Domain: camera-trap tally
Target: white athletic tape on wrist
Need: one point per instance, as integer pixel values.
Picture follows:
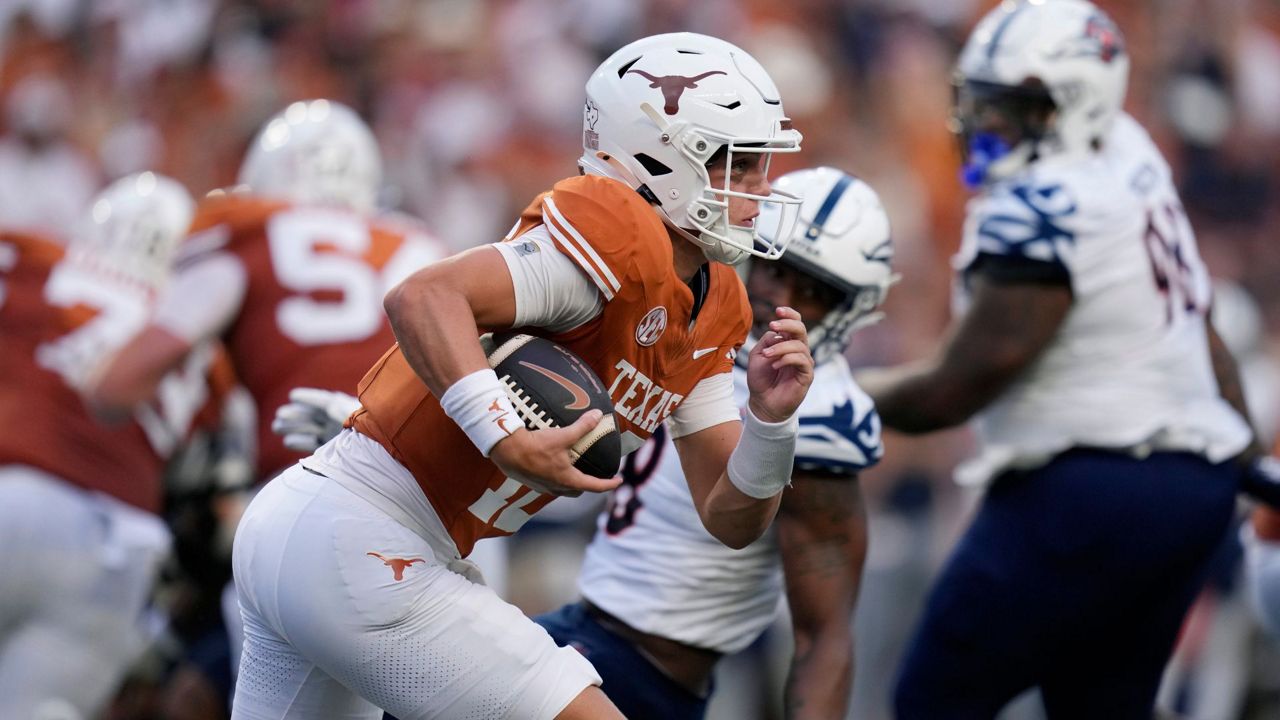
(760, 465)
(480, 406)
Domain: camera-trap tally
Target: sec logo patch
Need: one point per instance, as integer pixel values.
(651, 326)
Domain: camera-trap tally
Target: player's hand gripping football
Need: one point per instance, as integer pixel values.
(541, 459)
(780, 368)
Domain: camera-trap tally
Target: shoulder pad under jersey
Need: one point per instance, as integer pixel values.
(613, 235)
(839, 426)
(220, 218)
(1024, 221)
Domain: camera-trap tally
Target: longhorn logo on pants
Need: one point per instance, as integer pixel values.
(397, 565)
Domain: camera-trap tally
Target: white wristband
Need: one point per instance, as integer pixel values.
(761, 464)
(480, 406)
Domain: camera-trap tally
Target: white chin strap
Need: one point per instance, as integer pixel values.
(726, 254)
(715, 250)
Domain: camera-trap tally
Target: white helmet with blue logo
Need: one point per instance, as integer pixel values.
(1037, 78)
(842, 238)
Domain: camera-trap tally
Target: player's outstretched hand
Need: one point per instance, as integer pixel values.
(542, 461)
(312, 417)
(780, 368)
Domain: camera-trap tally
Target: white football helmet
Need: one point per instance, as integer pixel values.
(315, 151)
(842, 239)
(132, 228)
(1053, 72)
(658, 109)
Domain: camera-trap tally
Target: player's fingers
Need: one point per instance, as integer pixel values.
(578, 480)
(341, 405)
(310, 396)
(770, 339)
(296, 412)
(583, 425)
(786, 347)
(293, 438)
(800, 362)
(285, 424)
(787, 313)
(789, 328)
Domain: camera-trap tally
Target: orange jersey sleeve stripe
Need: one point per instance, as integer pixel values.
(580, 249)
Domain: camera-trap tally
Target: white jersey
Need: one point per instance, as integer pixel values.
(1129, 368)
(654, 566)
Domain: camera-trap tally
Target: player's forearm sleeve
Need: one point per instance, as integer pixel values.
(761, 464)
(709, 403)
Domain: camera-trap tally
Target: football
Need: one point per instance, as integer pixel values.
(550, 386)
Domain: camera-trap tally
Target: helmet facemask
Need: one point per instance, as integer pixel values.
(858, 309)
(706, 220)
(1000, 128)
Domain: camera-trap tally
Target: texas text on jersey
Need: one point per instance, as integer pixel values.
(649, 345)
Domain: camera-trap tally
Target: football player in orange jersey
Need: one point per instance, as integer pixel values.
(79, 500)
(354, 587)
(289, 270)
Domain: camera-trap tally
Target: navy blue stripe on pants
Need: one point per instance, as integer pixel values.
(1073, 577)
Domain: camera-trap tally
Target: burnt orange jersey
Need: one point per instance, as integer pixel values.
(43, 340)
(642, 345)
(312, 312)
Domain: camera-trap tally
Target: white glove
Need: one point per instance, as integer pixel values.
(312, 417)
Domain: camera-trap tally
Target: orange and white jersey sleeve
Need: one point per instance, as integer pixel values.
(710, 403)
(589, 225)
(604, 227)
(551, 291)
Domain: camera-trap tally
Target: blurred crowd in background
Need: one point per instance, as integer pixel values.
(477, 106)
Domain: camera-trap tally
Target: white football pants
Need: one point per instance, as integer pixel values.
(76, 571)
(347, 611)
